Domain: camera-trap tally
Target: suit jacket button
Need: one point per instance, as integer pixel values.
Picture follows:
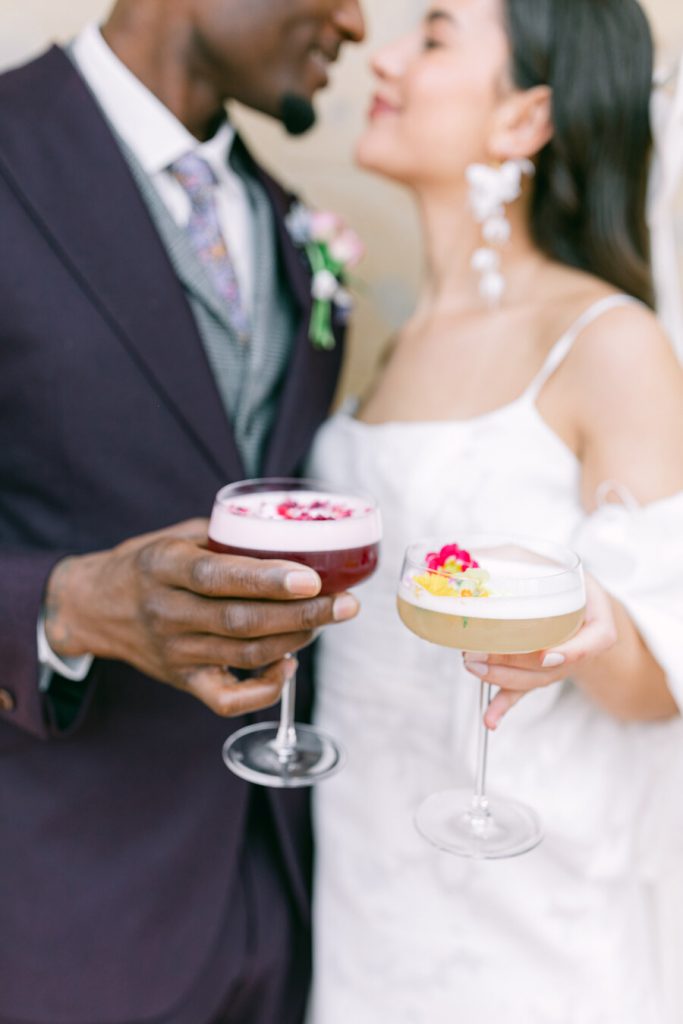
(7, 701)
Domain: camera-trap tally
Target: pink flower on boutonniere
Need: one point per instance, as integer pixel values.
(332, 248)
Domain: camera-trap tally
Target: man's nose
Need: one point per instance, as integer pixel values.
(350, 21)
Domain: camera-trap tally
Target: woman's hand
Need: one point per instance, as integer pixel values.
(517, 674)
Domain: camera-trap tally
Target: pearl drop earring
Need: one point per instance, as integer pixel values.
(491, 188)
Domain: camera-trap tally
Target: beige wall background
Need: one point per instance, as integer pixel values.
(320, 166)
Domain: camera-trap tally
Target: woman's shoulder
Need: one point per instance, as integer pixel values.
(612, 333)
(621, 350)
(625, 385)
(619, 389)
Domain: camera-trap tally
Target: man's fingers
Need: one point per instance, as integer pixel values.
(190, 529)
(200, 649)
(223, 694)
(194, 530)
(183, 564)
(170, 612)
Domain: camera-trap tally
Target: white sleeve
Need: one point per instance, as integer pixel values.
(636, 554)
(75, 669)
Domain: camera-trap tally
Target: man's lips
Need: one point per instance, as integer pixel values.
(322, 59)
(380, 107)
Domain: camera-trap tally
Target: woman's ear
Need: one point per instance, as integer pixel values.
(524, 124)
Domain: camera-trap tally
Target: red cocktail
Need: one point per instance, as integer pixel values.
(335, 534)
(338, 570)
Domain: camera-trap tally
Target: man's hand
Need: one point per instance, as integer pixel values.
(186, 616)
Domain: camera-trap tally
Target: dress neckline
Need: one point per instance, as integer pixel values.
(527, 399)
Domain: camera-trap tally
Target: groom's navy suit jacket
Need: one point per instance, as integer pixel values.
(120, 837)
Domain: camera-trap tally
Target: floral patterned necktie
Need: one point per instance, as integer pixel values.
(197, 178)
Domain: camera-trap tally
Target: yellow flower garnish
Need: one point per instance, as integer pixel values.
(469, 583)
(435, 583)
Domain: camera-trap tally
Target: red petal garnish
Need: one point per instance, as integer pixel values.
(437, 560)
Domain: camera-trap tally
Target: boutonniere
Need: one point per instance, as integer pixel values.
(332, 249)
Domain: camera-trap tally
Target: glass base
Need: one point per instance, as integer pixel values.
(506, 829)
(251, 754)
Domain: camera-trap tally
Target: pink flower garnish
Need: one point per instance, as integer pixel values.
(452, 557)
(313, 511)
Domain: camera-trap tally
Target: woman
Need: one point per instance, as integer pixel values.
(531, 392)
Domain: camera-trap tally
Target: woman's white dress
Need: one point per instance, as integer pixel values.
(566, 934)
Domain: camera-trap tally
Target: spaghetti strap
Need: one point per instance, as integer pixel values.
(564, 345)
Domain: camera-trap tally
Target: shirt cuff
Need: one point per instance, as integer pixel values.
(75, 669)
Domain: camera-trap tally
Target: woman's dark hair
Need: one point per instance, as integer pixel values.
(588, 207)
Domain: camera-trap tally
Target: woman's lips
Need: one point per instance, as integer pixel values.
(380, 107)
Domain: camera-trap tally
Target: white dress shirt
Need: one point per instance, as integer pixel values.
(157, 138)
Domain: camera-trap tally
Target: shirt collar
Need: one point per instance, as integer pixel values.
(155, 135)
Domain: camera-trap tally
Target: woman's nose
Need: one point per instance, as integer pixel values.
(391, 60)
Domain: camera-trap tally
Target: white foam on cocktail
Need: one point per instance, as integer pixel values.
(259, 528)
(508, 600)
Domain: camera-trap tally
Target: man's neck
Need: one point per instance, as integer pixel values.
(165, 67)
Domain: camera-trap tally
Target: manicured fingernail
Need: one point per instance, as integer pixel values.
(553, 660)
(303, 584)
(480, 668)
(344, 607)
(479, 656)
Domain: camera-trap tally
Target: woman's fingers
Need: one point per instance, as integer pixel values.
(500, 705)
(517, 674)
(598, 633)
(510, 677)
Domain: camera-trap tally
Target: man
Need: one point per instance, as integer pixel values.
(154, 346)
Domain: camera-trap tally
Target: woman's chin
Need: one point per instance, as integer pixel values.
(370, 157)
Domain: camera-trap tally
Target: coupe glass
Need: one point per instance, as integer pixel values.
(534, 598)
(338, 536)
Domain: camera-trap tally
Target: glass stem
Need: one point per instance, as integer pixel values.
(285, 741)
(480, 804)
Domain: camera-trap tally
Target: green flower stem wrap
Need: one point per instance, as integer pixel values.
(320, 328)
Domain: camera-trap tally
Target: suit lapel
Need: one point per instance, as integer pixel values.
(311, 380)
(140, 297)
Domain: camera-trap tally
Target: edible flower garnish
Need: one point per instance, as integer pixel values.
(451, 558)
(313, 511)
(452, 572)
(302, 511)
